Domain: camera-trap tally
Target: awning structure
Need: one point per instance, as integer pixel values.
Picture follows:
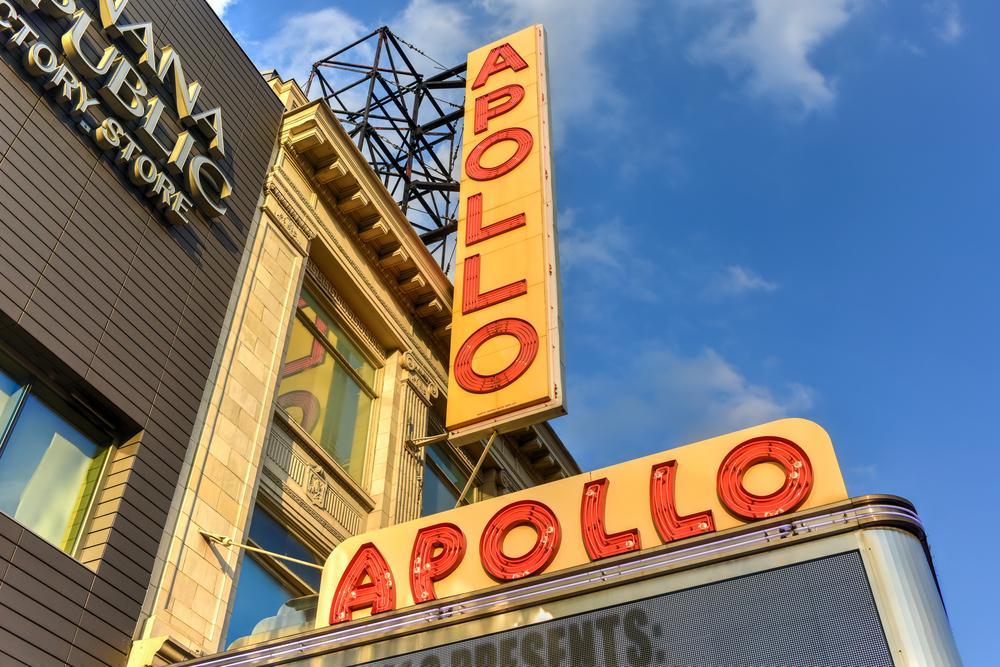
(846, 583)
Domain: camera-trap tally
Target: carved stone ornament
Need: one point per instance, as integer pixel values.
(293, 213)
(316, 485)
(418, 378)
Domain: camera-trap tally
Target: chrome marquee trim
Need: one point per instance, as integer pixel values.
(878, 510)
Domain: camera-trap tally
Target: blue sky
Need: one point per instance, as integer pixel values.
(767, 208)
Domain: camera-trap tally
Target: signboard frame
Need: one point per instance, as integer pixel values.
(525, 190)
(884, 529)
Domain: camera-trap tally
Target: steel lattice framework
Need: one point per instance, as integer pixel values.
(407, 124)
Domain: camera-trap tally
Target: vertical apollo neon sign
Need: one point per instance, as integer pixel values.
(505, 359)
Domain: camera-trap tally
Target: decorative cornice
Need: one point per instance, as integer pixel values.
(415, 343)
(364, 212)
(354, 323)
(285, 192)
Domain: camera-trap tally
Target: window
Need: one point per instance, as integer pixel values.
(443, 481)
(50, 462)
(267, 586)
(327, 386)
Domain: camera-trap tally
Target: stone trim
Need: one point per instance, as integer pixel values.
(355, 324)
(314, 482)
(420, 379)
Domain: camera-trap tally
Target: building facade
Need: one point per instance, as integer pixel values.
(217, 331)
(334, 364)
(115, 280)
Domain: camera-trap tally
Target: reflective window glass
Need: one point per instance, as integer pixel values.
(271, 535)
(264, 585)
(259, 595)
(321, 394)
(48, 473)
(10, 395)
(329, 328)
(443, 481)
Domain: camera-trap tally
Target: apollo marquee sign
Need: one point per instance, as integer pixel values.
(100, 72)
(506, 370)
(691, 491)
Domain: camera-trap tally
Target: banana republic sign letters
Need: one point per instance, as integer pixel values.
(179, 176)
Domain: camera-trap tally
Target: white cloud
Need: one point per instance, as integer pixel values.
(738, 280)
(947, 19)
(302, 39)
(603, 260)
(768, 44)
(578, 31)
(661, 398)
(442, 30)
(220, 5)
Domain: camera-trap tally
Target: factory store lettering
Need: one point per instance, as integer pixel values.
(125, 117)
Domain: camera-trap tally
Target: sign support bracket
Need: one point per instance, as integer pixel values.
(429, 440)
(479, 464)
(224, 541)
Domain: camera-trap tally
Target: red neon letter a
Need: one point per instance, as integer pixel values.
(500, 58)
(367, 582)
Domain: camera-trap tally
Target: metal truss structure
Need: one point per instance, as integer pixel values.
(406, 123)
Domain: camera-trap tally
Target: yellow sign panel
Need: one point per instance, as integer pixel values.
(698, 489)
(505, 358)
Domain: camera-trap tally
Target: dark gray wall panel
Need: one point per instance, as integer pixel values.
(115, 305)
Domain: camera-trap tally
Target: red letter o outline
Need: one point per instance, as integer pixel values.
(519, 135)
(798, 478)
(531, 513)
(473, 382)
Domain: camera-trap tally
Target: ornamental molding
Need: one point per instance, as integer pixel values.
(316, 485)
(340, 307)
(316, 492)
(292, 212)
(287, 491)
(419, 378)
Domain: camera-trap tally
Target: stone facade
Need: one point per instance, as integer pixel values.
(327, 220)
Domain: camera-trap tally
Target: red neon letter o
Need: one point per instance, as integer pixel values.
(531, 513)
(520, 136)
(794, 491)
(473, 382)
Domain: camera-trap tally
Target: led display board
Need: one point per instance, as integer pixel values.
(690, 491)
(506, 370)
(819, 612)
